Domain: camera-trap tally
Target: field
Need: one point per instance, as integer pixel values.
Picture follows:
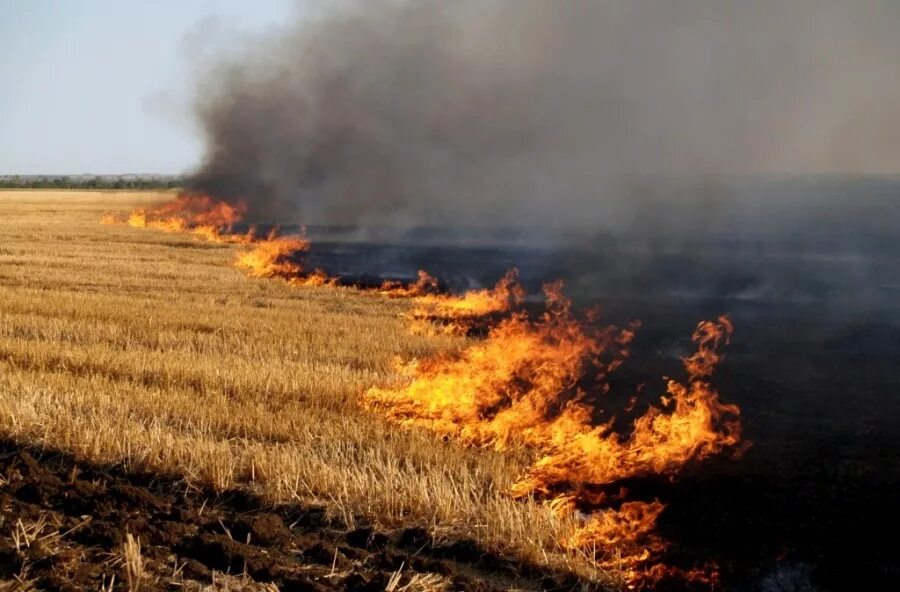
(167, 421)
(150, 353)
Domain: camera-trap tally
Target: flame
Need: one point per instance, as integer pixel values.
(535, 383)
(137, 219)
(272, 256)
(500, 389)
(457, 314)
(437, 312)
(188, 211)
(689, 424)
(622, 539)
(313, 279)
(426, 284)
(199, 214)
(276, 257)
(531, 382)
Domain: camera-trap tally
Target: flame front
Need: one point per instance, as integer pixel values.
(503, 388)
(535, 383)
(532, 383)
(272, 256)
(276, 257)
(690, 423)
(425, 284)
(457, 314)
(188, 211)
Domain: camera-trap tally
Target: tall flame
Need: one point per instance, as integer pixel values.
(534, 383)
(501, 389)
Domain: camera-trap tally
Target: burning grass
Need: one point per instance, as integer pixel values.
(150, 348)
(538, 384)
(266, 393)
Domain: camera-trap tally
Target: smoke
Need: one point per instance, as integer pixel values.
(551, 113)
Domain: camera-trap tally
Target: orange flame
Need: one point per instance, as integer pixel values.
(449, 313)
(500, 389)
(529, 383)
(622, 540)
(214, 235)
(522, 386)
(201, 215)
(690, 424)
(458, 313)
(271, 257)
(188, 211)
(426, 284)
(275, 257)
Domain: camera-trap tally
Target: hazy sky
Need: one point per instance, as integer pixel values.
(102, 86)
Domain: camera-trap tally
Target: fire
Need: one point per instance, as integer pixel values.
(501, 388)
(198, 214)
(622, 539)
(188, 211)
(426, 284)
(458, 313)
(214, 235)
(535, 383)
(530, 382)
(689, 424)
(450, 313)
(272, 256)
(276, 257)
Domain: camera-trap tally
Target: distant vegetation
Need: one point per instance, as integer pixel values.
(144, 181)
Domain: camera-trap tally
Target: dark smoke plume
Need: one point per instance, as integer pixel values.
(547, 112)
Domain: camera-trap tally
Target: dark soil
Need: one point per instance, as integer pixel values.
(72, 520)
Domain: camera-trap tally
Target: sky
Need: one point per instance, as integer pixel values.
(104, 86)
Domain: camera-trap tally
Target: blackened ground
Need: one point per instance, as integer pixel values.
(814, 365)
(813, 504)
(815, 499)
(64, 526)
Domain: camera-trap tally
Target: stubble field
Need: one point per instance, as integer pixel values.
(150, 352)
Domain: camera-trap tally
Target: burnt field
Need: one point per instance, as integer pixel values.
(506, 295)
(158, 406)
(813, 365)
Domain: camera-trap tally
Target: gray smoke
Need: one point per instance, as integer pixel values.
(552, 113)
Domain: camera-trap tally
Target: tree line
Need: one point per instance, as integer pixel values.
(91, 182)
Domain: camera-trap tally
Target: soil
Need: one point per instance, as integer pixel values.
(64, 525)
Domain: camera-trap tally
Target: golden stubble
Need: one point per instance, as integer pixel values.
(138, 346)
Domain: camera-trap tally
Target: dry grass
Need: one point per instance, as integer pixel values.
(135, 346)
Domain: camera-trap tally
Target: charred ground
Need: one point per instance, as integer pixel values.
(813, 366)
